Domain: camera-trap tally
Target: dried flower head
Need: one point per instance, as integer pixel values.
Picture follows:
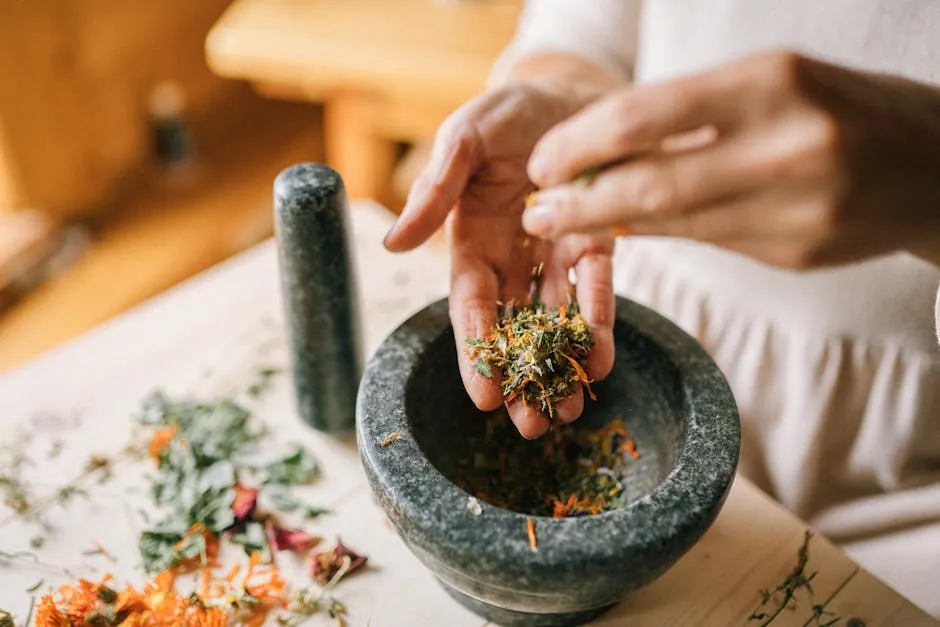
(328, 567)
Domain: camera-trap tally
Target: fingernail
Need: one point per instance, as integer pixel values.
(403, 214)
(538, 167)
(538, 218)
(388, 236)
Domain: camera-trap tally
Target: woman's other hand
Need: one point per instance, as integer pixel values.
(789, 160)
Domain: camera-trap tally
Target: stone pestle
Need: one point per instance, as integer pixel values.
(319, 292)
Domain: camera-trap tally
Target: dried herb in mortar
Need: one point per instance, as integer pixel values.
(572, 471)
(539, 353)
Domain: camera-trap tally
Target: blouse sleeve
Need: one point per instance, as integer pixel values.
(603, 31)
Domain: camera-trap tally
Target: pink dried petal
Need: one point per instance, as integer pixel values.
(243, 506)
(282, 539)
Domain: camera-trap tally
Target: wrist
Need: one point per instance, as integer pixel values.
(570, 79)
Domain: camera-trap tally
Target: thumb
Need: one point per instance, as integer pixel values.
(453, 159)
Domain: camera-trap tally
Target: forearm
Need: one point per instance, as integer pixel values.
(578, 78)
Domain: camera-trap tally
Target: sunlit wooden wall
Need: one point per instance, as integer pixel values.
(74, 81)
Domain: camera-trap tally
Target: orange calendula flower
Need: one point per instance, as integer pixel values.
(218, 603)
(49, 615)
(161, 438)
(575, 506)
(630, 447)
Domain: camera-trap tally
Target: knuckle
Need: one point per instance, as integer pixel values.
(805, 257)
(828, 216)
(811, 250)
(436, 191)
(651, 191)
(787, 68)
(454, 128)
(826, 138)
(814, 149)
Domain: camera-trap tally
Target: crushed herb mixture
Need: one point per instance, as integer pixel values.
(204, 456)
(571, 471)
(538, 353)
(208, 481)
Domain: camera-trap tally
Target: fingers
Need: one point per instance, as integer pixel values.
(595, 292)
(531, 423)
(438, 187)
(473, 296)
(656, 188)
(632, 121)
(555, 289)
(784, 230)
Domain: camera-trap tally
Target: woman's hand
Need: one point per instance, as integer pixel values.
(477, 176)
(792, 161)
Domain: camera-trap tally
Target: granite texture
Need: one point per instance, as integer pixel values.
(319, 288)
(674, 401)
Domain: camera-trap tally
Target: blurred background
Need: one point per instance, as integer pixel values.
(139, 139)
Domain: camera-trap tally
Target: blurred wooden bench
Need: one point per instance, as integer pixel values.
(387, 72)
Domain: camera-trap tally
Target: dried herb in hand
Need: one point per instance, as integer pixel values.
(539, 354)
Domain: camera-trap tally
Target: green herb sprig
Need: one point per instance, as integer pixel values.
(773, 602)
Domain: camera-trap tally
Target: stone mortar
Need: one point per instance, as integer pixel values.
(676, 404)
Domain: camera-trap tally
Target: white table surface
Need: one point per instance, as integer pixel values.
(207, 336)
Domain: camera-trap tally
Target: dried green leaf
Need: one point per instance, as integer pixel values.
(254, 539)
(262, 381)
(484, 368)
(281, 498)
(298, 468)
(157, 549)
(56, 449)
(68, 492)
(315, 512)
